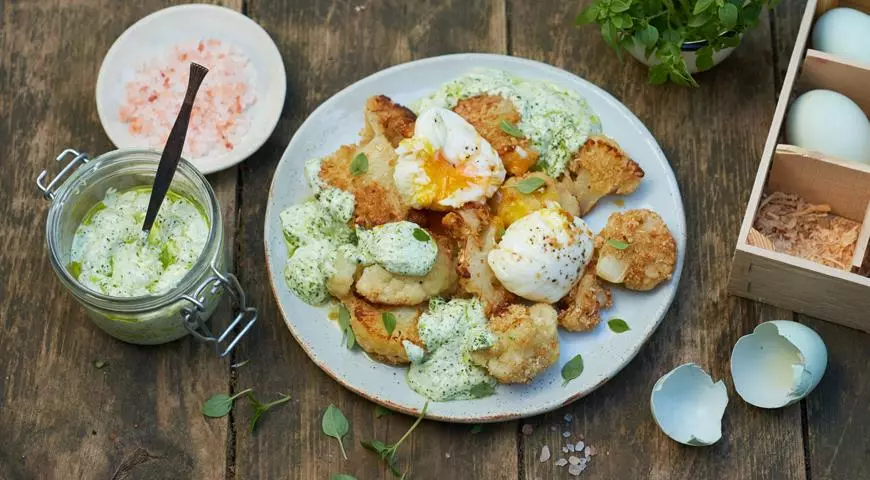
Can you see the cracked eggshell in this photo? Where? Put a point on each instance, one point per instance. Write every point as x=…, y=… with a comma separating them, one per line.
x=778, y=364
x=688, y=406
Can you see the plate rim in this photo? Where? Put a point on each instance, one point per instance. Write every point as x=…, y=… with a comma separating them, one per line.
x=501, y=417
x=276, y=62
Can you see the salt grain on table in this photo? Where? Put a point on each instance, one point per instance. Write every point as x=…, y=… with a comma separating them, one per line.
x=579, y=447
x=569, y=417
x=545, y=453
x=561, y=462
x=564, y=449
x=574, y=460
x=569, y=447
x=575, y=470
x=566, y=434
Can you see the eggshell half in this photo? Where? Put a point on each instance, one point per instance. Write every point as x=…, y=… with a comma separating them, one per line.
x=778, y=364
x=688, y=406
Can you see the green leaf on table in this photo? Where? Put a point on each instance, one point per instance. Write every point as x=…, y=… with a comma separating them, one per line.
x=220, y=404
x=389, y=320
x=617, y=244
x=618, y=325
x=260, y=408
x=588, y=15
x=334, y=424
x=421, y=235
x=388, y=452
x=728, y=15
x=702, y=5
x=572, y=369
x=529, y=185
x=342, y=476
x=381, y=411
x=510, y=129
x=359, y=165
x=482, y=389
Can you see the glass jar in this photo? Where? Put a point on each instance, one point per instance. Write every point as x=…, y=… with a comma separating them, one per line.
x=148, y=319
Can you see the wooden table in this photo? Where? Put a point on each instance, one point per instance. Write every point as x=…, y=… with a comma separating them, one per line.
x=138, y=417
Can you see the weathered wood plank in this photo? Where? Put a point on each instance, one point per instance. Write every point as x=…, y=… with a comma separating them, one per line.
x=713, y=137
x=326, y=46
x=838, y=410
x=61, y=417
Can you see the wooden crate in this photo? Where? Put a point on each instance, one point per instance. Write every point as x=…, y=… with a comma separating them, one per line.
x=783, y=280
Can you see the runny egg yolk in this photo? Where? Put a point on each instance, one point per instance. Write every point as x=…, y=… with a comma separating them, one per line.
x=511, y=205
x=445, y=178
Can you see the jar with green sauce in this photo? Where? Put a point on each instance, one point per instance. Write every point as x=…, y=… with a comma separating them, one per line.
x=169, y=310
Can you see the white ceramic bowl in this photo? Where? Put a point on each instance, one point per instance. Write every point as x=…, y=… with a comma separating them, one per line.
x=338, y=121
x=155, y=34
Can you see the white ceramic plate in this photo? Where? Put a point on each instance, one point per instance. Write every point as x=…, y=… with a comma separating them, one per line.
x=338, y=122
x=157, y=33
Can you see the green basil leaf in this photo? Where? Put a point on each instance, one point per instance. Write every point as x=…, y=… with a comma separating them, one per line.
x=572, y=369
x=700, y=20
x=702, y=5
x=260, y=408
x=381, y=411
x=588, y=15
x=334, y=424
x=376, y=446
x=342, y=476
x=618, y=325
x=510, y=129
x=389, y=320
x=731, y=42
x=482, y=389
x=618, y=6
x=649, y=36
x=627, y=22
x=217, y=406
x=617, y=244
x=421, y=235
x=359, y=165
x=728, y=15
x=658, y=74
x=704, y=62
x=616, y=20
x=529, y=185
x=672, y=36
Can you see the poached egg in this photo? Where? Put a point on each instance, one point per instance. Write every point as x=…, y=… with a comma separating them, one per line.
x=541, y=255
x=446, y=164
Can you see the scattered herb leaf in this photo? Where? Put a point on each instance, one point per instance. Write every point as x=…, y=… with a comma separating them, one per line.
x=421, y=235
x=335, y=425
x=388, y=452
x=261, y=408
x=476, y=429
x=241, y=364
x=617, y=244
x=342, y=476
x=572, y=369
x=482, y=389
x=510, y=129
x=220, y=404
x=347, y=335
x=359, y=165
x=618, y=325
x=530, y=184
x=389, y=320
x=100, y=364
x=381, y=411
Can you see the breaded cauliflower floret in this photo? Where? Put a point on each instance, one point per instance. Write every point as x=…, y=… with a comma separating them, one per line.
x=649, y=255
x=385, y=117
x=366, y=320
x=486, y=113
x=380, y=286
x=527, y=343
x=344, y=272
x=601, y=168
x=472, y=229
x=580, y=310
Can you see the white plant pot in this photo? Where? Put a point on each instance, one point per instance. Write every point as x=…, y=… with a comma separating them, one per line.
x=688, y=52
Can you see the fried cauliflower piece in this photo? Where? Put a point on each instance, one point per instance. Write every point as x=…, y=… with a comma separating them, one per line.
x=476, y=234
x=383, y=117
x=527, y=343
x=378, y=200
x=380, y=286
x=341, y=280
x=485, y=113
x=649, y=257
x=580, y=310
x=601, y=168
x=366, y=320
x=510, y=204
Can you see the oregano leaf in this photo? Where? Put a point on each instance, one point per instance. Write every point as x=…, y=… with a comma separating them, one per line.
x=510, y=129
x=335, y=424
x=617, y=244
x=389, y=321
x=359, y=165
x=529, y=185
x=572, y=369
x=618, y=325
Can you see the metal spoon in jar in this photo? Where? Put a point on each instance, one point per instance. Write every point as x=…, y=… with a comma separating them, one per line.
x=174, y=145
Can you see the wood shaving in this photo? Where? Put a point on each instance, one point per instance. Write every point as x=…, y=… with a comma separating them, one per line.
x=805, y=230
